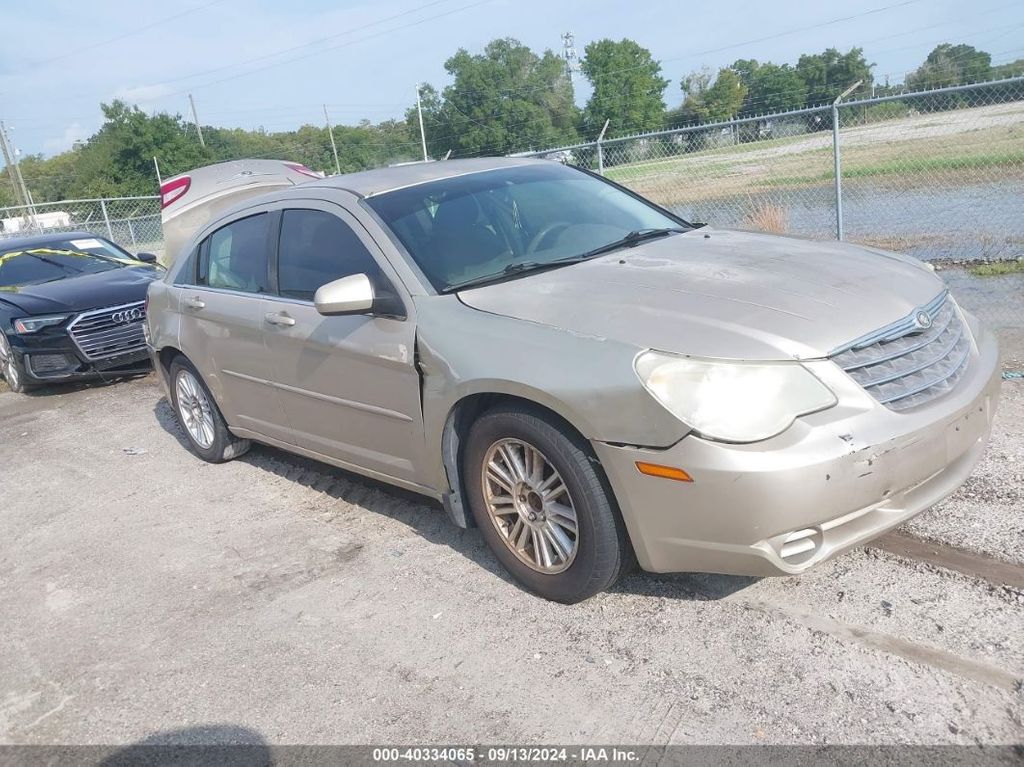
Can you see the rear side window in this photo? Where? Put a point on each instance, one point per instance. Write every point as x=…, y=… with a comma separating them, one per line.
x=235, y=256
x=317, y=247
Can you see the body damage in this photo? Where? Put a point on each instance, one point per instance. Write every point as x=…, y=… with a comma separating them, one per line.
x=587, y=381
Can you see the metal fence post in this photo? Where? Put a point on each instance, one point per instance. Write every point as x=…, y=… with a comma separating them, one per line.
x=106, y=218
x=837, y=170
x=837, y=162
x=600, y=149
x=131, y=233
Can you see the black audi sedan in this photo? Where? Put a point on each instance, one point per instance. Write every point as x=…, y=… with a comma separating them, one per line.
x=72, y=307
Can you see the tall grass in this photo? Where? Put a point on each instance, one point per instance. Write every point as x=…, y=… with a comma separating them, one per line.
x=766, y=217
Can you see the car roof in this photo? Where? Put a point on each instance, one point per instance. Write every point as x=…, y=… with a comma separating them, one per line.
x=367, y=183
x=34, y=240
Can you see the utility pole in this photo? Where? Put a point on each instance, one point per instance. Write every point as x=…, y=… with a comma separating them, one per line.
x=572, y=58
x=9, y=164
x=334, y=147
x=11, y=156
x=195, y=119
x=419, y=112
x=156, y=164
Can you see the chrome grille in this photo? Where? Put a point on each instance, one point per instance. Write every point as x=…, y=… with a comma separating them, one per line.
x=109, y=332
x=912, y=361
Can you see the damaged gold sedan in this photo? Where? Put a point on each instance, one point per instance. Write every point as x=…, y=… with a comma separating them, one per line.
x=584, y=376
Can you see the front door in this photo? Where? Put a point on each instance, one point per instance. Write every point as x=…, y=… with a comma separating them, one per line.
x=222, y=324
x=349, y=383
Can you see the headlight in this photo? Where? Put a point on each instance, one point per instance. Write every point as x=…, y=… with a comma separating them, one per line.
x=732, y=401
x=32, y=324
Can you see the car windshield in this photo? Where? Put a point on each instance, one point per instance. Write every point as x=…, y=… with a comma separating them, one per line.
x=36, y=265
x=94, y=245
x=511, y=221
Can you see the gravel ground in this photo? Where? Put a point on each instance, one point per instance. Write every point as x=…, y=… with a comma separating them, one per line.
x=146, y=591
x=987, y=513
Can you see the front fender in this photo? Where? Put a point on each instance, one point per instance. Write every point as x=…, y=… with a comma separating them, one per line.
x=588, y=381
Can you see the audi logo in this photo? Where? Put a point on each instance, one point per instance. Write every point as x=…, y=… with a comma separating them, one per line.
x=128, y=315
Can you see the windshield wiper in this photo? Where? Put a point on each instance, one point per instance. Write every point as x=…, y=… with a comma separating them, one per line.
x=523, y=267
x=633, y=238
x=111, y=259
x=58, y=264
x=520, y=267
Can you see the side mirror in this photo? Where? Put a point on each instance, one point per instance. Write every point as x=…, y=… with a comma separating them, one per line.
x=349, y=295
x=146, y=258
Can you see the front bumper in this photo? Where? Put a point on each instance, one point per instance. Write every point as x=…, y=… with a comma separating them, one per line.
x=833, y=480
x=40, y=355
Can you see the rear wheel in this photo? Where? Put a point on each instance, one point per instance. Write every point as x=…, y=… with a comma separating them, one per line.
x=199, y=417
x=11, y=368
x=543, y=506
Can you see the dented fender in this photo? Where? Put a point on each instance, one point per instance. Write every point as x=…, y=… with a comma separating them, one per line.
x=588, y=381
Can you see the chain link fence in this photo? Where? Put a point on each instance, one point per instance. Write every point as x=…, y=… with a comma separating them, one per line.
x=938, y=175
x=131, y=222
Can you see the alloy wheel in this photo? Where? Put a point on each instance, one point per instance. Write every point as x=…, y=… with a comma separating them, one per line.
x=194, y=409
x=7, y=364
x=529, y=505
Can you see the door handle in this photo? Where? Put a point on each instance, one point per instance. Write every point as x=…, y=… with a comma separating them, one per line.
x=279, y=319
x=195, y=303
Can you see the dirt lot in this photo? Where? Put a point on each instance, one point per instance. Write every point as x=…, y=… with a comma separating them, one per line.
x=144, y=590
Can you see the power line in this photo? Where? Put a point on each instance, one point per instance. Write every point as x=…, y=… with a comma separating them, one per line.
x=343, y=45
x=78, y=49
x=307, y=44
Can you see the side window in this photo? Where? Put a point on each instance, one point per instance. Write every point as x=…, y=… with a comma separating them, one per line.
x=235, y=256
x=316, y=248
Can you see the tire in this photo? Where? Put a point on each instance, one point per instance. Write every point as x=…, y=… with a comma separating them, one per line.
x=601, y=550
x=11, y=368
x=199, y=417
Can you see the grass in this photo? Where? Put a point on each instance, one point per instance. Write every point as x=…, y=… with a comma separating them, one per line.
x=768, y=218
x=991, y=153
x=998, y=268
x=908, y=166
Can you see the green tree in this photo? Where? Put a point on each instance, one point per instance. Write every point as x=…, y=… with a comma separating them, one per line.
x=829, y=73
x=949, y=64
x=628, y=88
x=506, y=99
x=770, y=87
x=708, y=101
x=1010, y=69
x=118, y=159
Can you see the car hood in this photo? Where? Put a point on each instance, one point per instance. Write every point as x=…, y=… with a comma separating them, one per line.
x=721, y=293
x=88, y=291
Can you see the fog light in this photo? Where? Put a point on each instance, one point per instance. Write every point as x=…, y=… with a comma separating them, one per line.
x=48, y=364
x=800, y=545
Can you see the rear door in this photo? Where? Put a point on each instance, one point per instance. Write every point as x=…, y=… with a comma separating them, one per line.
x=222, y=323
x=349, y=383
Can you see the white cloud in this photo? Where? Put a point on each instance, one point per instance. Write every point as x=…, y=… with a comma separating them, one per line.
x=72, y=133
x=140, y=94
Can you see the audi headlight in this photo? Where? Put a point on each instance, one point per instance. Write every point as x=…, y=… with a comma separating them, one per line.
x=732, y=401
x=32, y=324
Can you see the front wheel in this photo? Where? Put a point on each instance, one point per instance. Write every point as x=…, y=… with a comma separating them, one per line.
x=11, y=369
x=200, y=419
x=543, y=506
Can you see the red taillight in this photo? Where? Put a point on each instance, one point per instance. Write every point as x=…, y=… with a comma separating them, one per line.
x=298, y=167
x=173, y=190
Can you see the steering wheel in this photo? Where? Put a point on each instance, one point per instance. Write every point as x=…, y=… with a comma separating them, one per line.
x=545, y=231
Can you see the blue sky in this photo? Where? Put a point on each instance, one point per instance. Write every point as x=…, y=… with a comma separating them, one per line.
x=62, y=59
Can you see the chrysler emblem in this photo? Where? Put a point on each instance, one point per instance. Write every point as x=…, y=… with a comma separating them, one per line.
x=923, y=320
